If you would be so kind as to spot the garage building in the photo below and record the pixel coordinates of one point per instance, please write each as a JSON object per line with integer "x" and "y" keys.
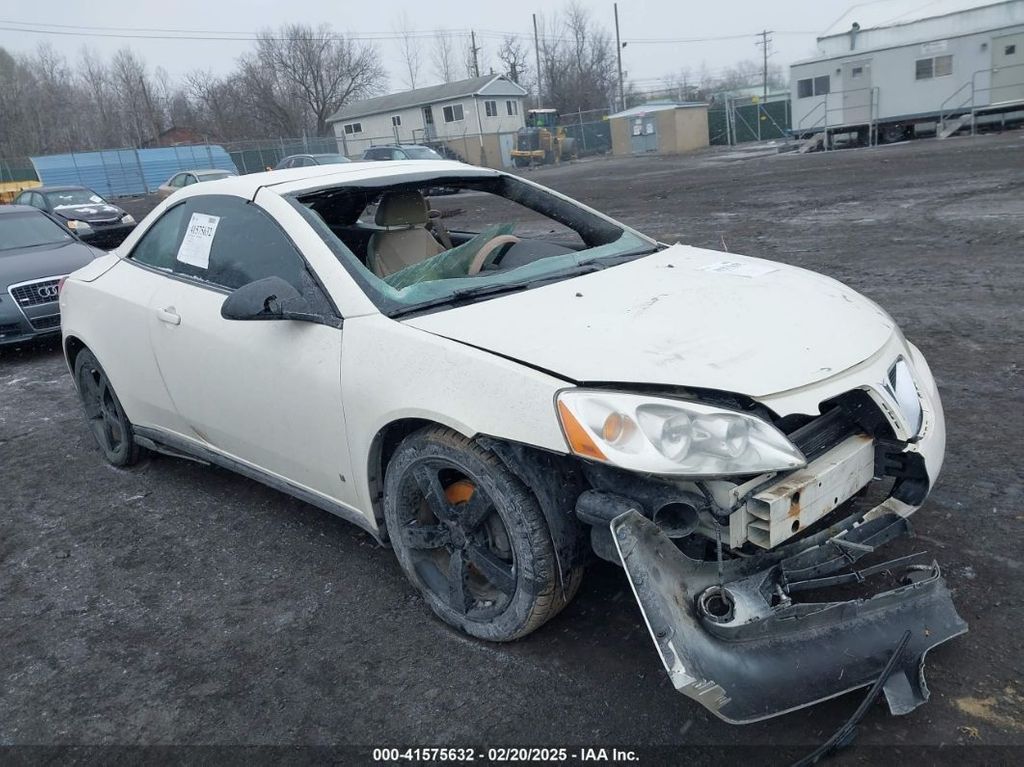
{"x": 661, "y": 127}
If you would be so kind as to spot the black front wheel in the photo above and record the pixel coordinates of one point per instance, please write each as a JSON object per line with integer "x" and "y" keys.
{"x": 471, "y": 537}
{"x": 109, "y": 425}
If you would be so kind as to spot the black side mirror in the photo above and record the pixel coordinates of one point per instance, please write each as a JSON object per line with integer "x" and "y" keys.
{"x": 268, "y": 299}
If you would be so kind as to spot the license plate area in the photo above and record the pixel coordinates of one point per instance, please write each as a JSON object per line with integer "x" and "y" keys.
{"x": 776, "y": 514}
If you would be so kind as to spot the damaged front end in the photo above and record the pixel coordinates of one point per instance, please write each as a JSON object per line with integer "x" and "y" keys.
{"x": 732, "y": 637}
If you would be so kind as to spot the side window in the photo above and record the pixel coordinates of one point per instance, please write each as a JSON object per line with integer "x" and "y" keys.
{"x": 159, "y": 244}
{"x": 397, "y": 154}
{"x": 39, "y": 201}
{"x": 245, "y": 244}
{"x": 189, "y": 179}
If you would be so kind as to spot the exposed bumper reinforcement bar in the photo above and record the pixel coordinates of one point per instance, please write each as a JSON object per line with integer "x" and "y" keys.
{"x": 747, "y": 652}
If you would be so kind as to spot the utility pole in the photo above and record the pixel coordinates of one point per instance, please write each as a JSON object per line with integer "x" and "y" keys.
{"x": 475, "y": 50}
{"x": 618, "y": 55}
{"x": 765, "y": 40}
{"x": 764, "y": 71}
{"x": 536, "y": 50}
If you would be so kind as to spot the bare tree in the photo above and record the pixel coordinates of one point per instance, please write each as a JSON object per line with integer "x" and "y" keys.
{"x": 514, "y": 57}
{"x": 313, "y": 68}
{"x": 409, "y": 48}
{"x": 138, "y": 108}
{"x": 290, "y": 83}
{"x": 443, "y": 56}
{"x": 578, "y": 62}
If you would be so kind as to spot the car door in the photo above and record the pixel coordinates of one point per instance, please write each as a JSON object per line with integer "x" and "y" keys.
{"x": 267, "y": 393}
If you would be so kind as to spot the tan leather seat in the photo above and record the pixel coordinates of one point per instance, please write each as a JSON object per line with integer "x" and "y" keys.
{"x": 406, "y": 241}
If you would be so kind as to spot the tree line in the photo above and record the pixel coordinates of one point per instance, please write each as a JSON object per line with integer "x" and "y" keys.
{"x": 294, "y": 78}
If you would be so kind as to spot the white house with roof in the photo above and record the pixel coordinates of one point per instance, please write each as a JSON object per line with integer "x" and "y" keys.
{"x": 468, "y": 115}
{"x": 895, "y": 64}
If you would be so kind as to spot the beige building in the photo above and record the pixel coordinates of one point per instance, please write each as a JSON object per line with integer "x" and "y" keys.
{"x": 660, "y": 128}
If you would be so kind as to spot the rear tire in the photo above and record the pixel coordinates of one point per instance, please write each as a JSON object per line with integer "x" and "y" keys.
{"x": 107, "y": 421}
{"x": 471, "y": 537}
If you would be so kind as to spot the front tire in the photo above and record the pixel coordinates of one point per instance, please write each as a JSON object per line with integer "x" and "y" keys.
{"x": 107, "y": 421}
{"x": 471, "y": 537}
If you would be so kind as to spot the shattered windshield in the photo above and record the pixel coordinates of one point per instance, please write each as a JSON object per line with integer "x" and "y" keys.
{"x": 421, "y": 244}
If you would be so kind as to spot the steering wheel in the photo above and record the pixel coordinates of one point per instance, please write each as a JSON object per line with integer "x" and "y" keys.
{"x": 484, "y": 256}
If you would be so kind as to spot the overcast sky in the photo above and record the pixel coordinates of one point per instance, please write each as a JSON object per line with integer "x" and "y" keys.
{"x": 795, "y": 22}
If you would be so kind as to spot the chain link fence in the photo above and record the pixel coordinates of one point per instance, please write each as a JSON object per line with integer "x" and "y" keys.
{"x": 255, "y": 155}
{"x": 591, "y": 130}
{"x": 736, "y": 121}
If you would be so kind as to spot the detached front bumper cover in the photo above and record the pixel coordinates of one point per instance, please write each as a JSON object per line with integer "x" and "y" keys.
{"x": 736, "y": 642}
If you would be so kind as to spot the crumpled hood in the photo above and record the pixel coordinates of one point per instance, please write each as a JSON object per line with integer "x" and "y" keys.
{"x": 681, "y": 317}
{"x": 100, "y": 211}
{"x": 33, "y": 263}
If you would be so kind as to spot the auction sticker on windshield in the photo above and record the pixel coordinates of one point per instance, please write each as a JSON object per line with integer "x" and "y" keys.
{"x": 195, "y": 248}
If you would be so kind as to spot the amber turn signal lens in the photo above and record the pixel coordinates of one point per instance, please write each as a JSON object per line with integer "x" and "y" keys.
{"x": 579, "y": 440}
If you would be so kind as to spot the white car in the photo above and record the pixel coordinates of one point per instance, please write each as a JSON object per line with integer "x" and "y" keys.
{"x": 505, "y": 390}
{"x": 190, "y": 177}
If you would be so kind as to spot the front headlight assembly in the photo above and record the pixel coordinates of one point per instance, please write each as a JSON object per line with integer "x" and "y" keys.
{"x": 668, "y": 436}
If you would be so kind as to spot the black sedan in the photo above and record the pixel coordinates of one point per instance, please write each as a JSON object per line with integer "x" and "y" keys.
{"x": 36, "y": 251}
{"x": 83, "y": 211}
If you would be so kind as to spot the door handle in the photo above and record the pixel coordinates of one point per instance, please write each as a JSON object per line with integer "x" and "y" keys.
{"x": 168, "y": 315}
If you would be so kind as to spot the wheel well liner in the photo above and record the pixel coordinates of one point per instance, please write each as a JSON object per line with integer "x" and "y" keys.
{"x": 381, "y": 449}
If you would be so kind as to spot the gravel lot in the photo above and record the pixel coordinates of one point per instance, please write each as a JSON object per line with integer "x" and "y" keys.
{"x": 176, "y": 603}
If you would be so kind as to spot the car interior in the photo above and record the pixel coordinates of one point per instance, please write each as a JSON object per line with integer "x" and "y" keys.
{"x": 495, "y": 225}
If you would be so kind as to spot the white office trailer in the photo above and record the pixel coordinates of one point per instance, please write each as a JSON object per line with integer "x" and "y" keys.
{"x": 888, "y": 69}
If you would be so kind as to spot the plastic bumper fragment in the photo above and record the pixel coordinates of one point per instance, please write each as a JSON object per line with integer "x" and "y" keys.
{"x": 738, "y": 644}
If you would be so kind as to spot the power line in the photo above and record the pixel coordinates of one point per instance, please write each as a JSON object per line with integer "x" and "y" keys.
{"x": 223, "y": 35}
{"x": 665, "y": 40}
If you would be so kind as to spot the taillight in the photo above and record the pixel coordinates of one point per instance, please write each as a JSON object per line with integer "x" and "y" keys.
{"x": 60, "y": 284}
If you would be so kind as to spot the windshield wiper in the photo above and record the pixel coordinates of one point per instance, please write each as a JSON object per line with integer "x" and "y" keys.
{"x": 614, "y": 258}
{"x": 461, "y": 295}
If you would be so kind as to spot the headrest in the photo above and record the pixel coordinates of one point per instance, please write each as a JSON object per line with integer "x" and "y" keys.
{"x": 401, "y": 209}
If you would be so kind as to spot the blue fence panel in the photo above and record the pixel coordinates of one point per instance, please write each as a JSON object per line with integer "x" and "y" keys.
{"x": 128, "y": 172}
{"x": 158, "y": 165}
{"x": 110, "y": 172}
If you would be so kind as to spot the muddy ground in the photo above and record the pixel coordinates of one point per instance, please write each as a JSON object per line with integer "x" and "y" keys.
{"x": 176, "y": 603}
